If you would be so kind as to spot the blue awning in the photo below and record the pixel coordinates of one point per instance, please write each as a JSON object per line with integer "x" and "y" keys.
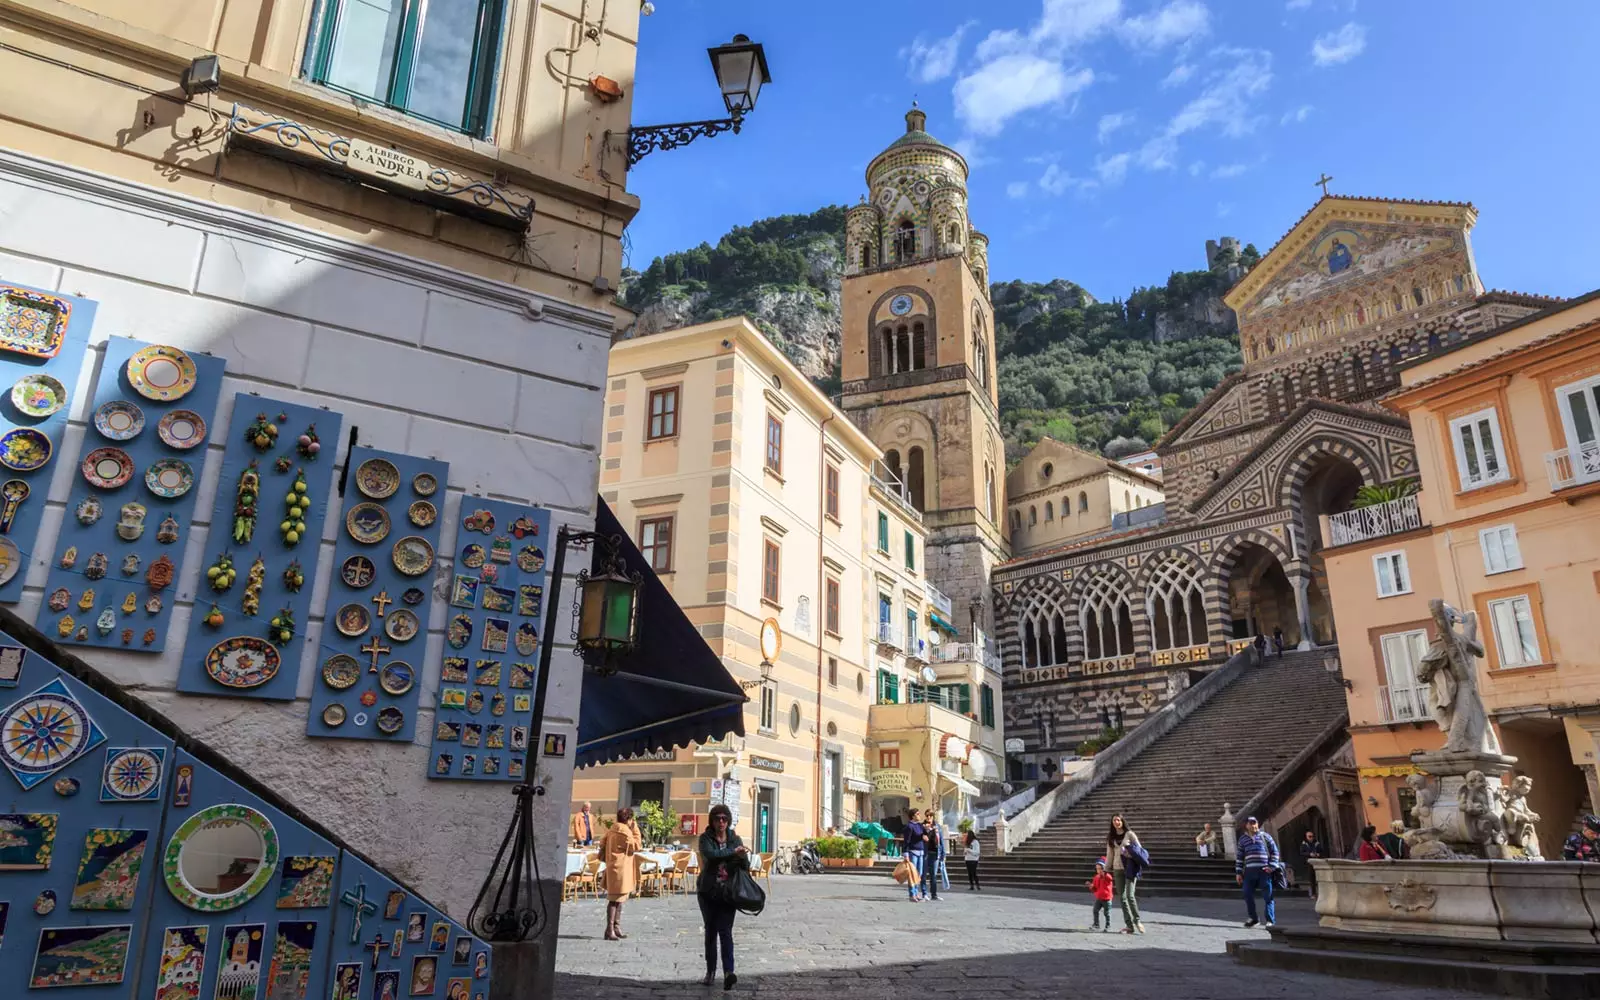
{"x": 671, "y": 691}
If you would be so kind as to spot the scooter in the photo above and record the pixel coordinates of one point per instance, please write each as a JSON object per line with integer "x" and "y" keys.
{"x": 806, "y": 859}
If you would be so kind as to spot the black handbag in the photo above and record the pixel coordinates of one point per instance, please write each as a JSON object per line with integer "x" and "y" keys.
{"x": 740, "y": 890}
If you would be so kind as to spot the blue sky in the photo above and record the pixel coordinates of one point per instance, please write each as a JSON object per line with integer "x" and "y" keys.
{"x": 1110, "y": 138}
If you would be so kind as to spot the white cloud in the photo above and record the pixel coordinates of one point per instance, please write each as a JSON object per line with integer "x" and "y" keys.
{"x": 1073, "y": 22}
{"x": 1158, "y": 153}
{"x": 1056, "y": 181}
{"x": 1226, "y": 101}
{"x": 1339, "y": 46}
{"x": 1180, "y": 74}
{"x": 972, "y": 152}
{"x": 1010, "y": 85}
{"x": 1197, "y": 168}
{"x": 1017, "y": 189}
{"x": 1297, "y": 4}
{"x": 1296, "y": 116}
{"x": 932, "y": 61}
{"x": 1228, "y": 170}
{"x": 1112, "y": 169}
{"x": 1110, "y": 123}
{"x": 1178, "y": 21}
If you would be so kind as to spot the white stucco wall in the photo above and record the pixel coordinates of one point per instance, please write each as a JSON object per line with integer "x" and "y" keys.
{"x": 502, "y": 383}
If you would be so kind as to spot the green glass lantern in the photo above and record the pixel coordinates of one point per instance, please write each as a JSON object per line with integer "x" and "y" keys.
{"x": 608, "y": 612}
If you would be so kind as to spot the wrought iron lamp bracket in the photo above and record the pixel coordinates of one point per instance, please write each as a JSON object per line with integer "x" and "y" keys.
{"x": 646, "y": 139}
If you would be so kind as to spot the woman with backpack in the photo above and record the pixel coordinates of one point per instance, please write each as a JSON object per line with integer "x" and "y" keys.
{"x": 722, "y": 855}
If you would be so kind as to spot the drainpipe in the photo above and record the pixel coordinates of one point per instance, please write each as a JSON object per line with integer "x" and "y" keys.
{"x": 822, "y": 626}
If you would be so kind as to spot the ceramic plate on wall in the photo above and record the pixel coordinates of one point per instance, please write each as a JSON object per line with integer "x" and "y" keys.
{"x": 341, "y": 671}
{"x": 38, "y": 395}
{"x": 368, "y": 523}
{"x": 10, "y": 560}
{"x": 162, "y": 373}
{"x": 169, "y": 478}
{"x": 424, "y": 484}
{"x": 401, "y": 625}
{"x": 412, "y": 555}
{"x": 243, "y": 661}
{"x": 181, "y": 429}
{"x": 119, "y": 420}
{"x": 390, "y": 720}
{"x": 25, "y": 449}
{"x": 422, "y": 513}
{"x": 107, "y": 468}
{"x": 353, "y": 620}
{"x": 357, "y": 572}
{"x": 396, "y": 677}
{"x": 377, "y": 478}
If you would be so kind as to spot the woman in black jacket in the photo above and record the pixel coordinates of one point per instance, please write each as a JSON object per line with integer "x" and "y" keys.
{"x": 722, "y": 854}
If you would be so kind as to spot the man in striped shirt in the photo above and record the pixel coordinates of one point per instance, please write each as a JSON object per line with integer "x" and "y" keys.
{"x": 1254, "y": 866}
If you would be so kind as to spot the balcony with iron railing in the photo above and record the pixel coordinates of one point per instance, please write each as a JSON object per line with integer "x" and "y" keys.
{"x": 1574, "y": 466}
{"x": 888, "y": 637}
{"x": 1376, "y": 521}
{"x": 939, "y": 601}
{"x": 966, "y": 652}
{"x": 894, "y": 489}
{"x": 1402, "y": 704}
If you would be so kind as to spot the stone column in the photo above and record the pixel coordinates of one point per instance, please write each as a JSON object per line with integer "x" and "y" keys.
{"x": 1000, "y": 844}
{"x": 1302, "y": 609}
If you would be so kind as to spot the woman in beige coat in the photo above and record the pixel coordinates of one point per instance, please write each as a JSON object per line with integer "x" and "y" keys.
{"x": 617, "y": 848}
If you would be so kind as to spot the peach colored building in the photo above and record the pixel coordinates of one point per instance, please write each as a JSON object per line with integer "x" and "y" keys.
{"x": 1507, "y": 431}
{"x": 1059, "y": 493}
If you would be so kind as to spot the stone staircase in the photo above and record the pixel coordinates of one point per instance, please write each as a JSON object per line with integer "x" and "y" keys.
{"x": 1227, "y": 751}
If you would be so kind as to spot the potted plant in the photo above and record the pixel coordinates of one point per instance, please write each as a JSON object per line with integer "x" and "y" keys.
{"x": 831, "y": 851}
{"x": 865, "y": 852}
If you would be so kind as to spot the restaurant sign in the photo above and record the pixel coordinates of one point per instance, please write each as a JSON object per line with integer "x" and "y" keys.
{"x": 388, "y": 165}
{"x": 766, "y": 763}
{"x": 655, "y": 755}
{"x": 892, "y": 782}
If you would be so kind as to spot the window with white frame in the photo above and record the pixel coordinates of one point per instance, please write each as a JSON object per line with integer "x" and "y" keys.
{"x": 1394, "y": 576}
{"x": 1404, "y": 698}
{"x": 1480, "y": 452}
{"x": 1580, "y": 419}
{"x": 1500, "y": 552}
{"x": 1514, "y": 635}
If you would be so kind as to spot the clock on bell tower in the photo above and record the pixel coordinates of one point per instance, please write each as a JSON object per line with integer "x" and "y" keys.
{"x": 918, "y": 364}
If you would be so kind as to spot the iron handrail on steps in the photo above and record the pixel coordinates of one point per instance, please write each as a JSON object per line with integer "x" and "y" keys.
{"x": 1108, "y": 762}
{"x": 1292, "y": 775}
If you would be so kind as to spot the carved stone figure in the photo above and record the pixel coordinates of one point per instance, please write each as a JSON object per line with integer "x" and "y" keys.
{"x": 1426, "y": 794}
{"x": 1480, "y": 810}
{"x": 1450, "y": 670}
{"x": 1519, "y": 819}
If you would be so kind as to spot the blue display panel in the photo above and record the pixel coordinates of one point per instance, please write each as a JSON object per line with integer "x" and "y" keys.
{"x": 122, "y": 537}
{"x": 492, "y": 639}
{"x": 89, "y": 856}
{"x": 244, "y": 654}
{"x": 383, "y": 933}
{"x": 375, "y": 628}
{"x": 34, "y": 320}
{"x": 161, "y": 878}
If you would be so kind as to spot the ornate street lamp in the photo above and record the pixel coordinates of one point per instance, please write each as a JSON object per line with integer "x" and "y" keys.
{"x": 741, "y": 68}
{"x": 508, "y": 907}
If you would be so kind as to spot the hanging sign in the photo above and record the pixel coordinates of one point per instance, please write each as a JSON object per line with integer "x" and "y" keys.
{"x": 388, "y": 165}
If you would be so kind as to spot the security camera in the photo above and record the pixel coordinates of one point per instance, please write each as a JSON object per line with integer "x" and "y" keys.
{"x": 647, "y": 8}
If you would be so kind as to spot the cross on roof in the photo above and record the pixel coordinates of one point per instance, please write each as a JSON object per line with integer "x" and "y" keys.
{"x": 1323, "y": 180}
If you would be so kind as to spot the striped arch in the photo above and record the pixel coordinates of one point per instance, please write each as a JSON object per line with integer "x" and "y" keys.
{"x": 1170, "y": 583}
{"x": 1296, "y": 467}
{"x": 1092, "y": 576}
{"x": 1042, "y": 624}
{"x": 1219, "y": 574}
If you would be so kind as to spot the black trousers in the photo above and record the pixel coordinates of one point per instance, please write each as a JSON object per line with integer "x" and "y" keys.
{"x": 718, "y": 918}
{"x": 972, "y": 875}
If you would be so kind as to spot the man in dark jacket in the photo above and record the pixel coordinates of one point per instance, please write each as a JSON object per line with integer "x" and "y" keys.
{"x": 1310, "y": 848}
{"x": 1585, "y": 844}
{"x": 1395, "y": 842}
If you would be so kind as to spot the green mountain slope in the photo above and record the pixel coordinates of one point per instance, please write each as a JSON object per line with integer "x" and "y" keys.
{"x": 1107, "y": 375}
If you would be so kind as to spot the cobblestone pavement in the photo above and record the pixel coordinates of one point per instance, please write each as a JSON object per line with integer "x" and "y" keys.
{"x": 831, "y": 937}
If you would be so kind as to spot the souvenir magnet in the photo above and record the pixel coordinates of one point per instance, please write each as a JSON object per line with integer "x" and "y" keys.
{"x": 60, "y": 598}
{"x": 183, "y": 786}
{"x": 475, "y": 702}
{"x": 149, "y": 636}
{"x": 497, "y": 704}
{"x": 500, "y": 599}
{"x": 472, "y": 735}
{"x": 479, "y": 520}
{"x": 96, "y": 567}
{"x": 82, "y": 635}
{"x": 66, "y": 787}
{"x": 464, "y": 592}
{"x": 523, "y": 527}
{"x": 45, "y": 903}
{"x": 392, "y": 904}
{"x": 167, "y": 533}
{"x": 86, "y": 600}
{"x": 447, "y": 732}
{"x": 88, "y": 510}
{"x": 474, "y": 556}
{"x": 106, "y": 622}
{"x": 469, "y": 763}
{"x": 527, "y": 639}
{"x": 130, "y": 521}
{"x": 130, "y": 604}
{"x": 521, "y": 703}
{"x": 69, "y": 558}
{"x": 159, "y": 576}
{"x": 459, "y": 632}
{"x": 500, "y": 550}
{"x": 491, "y": 764}
{"x": 130, "y": 564}
{"x": 496, "y": 632}
{"x": 152, "y": 604}
{"x": 127, "y": 636}
{"x": 441, "y": 764}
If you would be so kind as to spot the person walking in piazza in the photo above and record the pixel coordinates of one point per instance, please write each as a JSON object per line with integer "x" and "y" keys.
{"x": 1277, "y": 640}
{"x": 618, "y": 848}
{"x": 1254, "y": 868}
{"x": 1310, "y": 848}
{"x": 1585, "y": 844}
{"x": 722, "y": 854}
{"x": 1101, "y": 887}
{"x": 1127, "y": 859}
{"x": 914, "y": 845}
{"x": 932, "y": 858}
{"x": 583, "y": 826}
{"x": 972, "y": 852}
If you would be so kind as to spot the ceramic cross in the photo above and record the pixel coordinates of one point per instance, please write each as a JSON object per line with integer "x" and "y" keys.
{"x": 379, "y": 942}
{"x": 383, "y": 600}
{"x": 375, "y": 648}
{"x": 363, "y": 908}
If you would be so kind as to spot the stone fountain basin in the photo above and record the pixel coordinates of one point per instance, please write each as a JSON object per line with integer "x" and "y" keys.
{"x": 1486, "y": 900}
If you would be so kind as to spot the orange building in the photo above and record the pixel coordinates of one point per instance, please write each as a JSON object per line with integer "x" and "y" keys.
{"x": 1507, "y": 431}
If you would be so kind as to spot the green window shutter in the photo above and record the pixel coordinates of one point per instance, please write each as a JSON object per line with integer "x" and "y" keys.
{"x": 988, "y": 706}
{"x": 883, "y": 532}
{"x": 964, "y": 699}
{"x": 911, "y": 551}
{"x": 894, "y": 688}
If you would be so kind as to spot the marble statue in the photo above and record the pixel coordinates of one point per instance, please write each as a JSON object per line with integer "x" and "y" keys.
{"x": 1450, "y": 671}
{"x": 1519, "y": 820}
{"x": 1426, "y": 841}
{"x": 1426, "y": 794}
{"x": 1481, "y": 810}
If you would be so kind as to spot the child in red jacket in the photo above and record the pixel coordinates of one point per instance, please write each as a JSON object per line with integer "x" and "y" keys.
{"x": 1100, "y": 885}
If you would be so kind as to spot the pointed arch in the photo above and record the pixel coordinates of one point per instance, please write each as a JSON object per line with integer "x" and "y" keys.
{"x": 1105, "y": 617}
{"x": 1042, "y": 629}
{"x": 1175, "y": 601}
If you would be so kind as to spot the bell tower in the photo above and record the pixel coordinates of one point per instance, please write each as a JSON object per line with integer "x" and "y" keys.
{"x": 918, "y": 357}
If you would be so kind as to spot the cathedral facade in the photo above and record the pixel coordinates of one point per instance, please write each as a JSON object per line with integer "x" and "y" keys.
{"x": 1106, "y": 630}
{"x": 918, "y": 363}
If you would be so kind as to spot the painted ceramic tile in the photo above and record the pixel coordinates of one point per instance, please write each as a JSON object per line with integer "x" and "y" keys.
{"x": 458, "y": 989}
{"x": 108, "y": 873}
{"x": 386, "y": 984}
{"x": 463, "y": 951}
{"x": 496, "y": 635}
{"x": 464, "y": 592}
{"x": 44, "y": 732}
{"x": 306, "y": 884}
{"x": 515, "y": 767}
{"x": 469, "y": 763}
{"x": 183, "y": 963}
{"x": 495, "y": 738}
{"x": 391, "y": 905}
{"x": 239, "y": 974}
{"x": 290, "y": 972}
{"x": 491, "y": 764}
{"x": 498, "y": 598}
{"x": 81, "y": 956}
{"x": 416, "y": 927}
{"x": 443, "y": 763}
{"x": 447, "y": 732}
{"x": 521, "y": 703}
{"x": 529, "y": 599}
{"x": 439, "y": 937}
{"x": 522, "y": 675}
{"x": 347, "y": 981}
{"x": 424, "y": 975}
{"x": 132, "y": 774}
{"x": 398, "y": 945}
{"x": 454, "y": 670}
{"x": 452, "y": 697}
{"x": 480, "y": 968}
{"x": 26, "y": 841}
{"x": 11, "y": 658}
{"x": 472, "y": 735}
{"x": 488, "y": 673}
